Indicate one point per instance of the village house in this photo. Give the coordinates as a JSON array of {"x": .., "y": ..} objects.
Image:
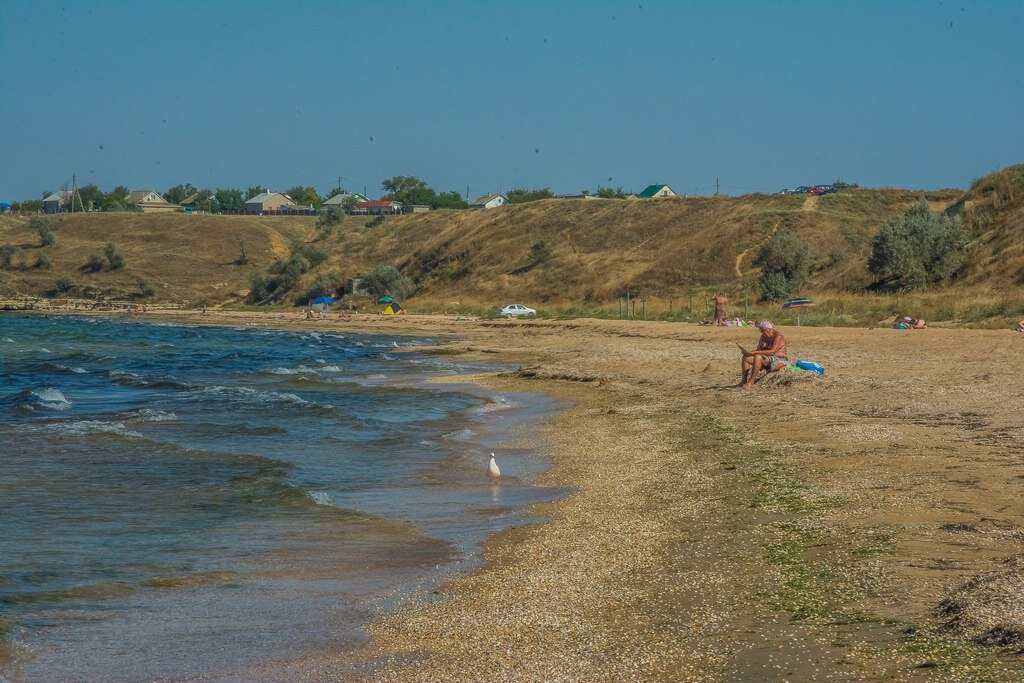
[
  {"x": 148, "y": 201},
  {"x": 489, "y": 201},
  {"x": 378, "y": 207},
  {"x": 340, "y": 199},
  {"x": 656, "y": 192},
  {"x": 268, "y": 201},
  {"x": 57, "y": 202}
]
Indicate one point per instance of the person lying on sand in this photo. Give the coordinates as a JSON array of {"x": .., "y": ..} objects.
[
  {"x": 1020, "y": 325},
  {"x": 770, "y": 355},
  {"x": 907, "y": 323}
]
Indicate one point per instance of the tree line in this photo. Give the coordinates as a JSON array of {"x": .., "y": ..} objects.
[{"x": 405, "y": 189}]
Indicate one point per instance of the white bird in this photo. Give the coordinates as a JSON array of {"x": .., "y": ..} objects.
[{"x": 492, "y": 467}]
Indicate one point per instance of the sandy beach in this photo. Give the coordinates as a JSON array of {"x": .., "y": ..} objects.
[{"x": 861, "y": 526}]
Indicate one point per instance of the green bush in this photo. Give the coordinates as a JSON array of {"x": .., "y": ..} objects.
[
  {"x": 94, "y": 264},
  {"x": 147, "y": 290},
  {"x": 41, "y": 226},
  {"x": 258, "y": 289},
  {"x": 63, "y": 285},
  {"x": 785, "y": 262},
  {"x": 7, "y": 254},
  {"x": 43, "y": 261},
  {"x": 387, "y": 281},
  {"x": 326, "y": 284},
  {"x": 115, "y": 259},
  {"x": 540, "y": 251},
  {"x": 917, "y": 248}
]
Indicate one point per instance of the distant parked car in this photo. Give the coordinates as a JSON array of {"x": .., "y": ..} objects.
[
  {"x": 516, "y": 310},
  {"x": 785, "y": 190},
  {"x": 801, "y": 190},
  {"x": 813, "y": 190},
  {"x": 826, "y": 189}
]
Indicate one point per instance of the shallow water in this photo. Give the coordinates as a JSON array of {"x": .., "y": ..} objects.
[{"x": 179, "y": 500}]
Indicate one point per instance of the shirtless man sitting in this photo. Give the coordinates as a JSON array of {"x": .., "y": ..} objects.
[{"x": 771, "y": 355}]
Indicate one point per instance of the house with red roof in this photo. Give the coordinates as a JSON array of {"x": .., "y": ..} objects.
[{"x": 378, "y": 207}]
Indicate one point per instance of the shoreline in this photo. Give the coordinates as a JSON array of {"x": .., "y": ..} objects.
[{"x": 812, "y": 529}]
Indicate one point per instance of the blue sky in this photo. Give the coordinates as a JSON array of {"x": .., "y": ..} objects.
[{"x": 494, "y": 96}]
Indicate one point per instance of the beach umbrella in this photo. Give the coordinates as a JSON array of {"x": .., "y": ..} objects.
[
  {"x": 323, "y": 300},
  {"x": 797, "y": 303},
  {"x": 385, "y": 300}
]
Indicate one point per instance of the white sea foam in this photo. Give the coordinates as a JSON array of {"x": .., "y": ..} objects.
[
  {"x": 150, "y": 415},
  {"x": 7, "y": 340},
  {"x": 50, "y": 398},
  {"x": 495, "y": 403},
  {"x": 83, "y": 427},
  {"x": 320, "y": 497},
  {"x": 461, "y": 435},
  {"x": 257, "y": 395},
  {"x": 301, "y": 370},
  {"x": 68, "y": 368},
  {"x": 43, "y": 349}
]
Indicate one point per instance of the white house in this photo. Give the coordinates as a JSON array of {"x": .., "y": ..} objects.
[
  {"x": 268, "y": 201},
  {"x": 57, "y": 202},
  {"x": 489, "y": 201},
  {"x": 656, "y": 192},
  {"x": 148, "y": 201},
  {"x": 340, "y": 198}
]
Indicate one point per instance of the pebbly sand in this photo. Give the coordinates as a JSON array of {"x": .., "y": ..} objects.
[{"x": 862, "y": 526}]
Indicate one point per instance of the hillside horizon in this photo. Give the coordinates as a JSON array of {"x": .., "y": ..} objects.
[{"x": 665, "y": 250}]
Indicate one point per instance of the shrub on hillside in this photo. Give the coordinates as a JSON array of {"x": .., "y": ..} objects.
[
  {"x": 8, "y": 252},
  {"x": 258, "y": 289},
  {"x": 42, "y": 261},
  {"x": 917, "y": 248},
  {"x": 63, "y": 285},
  {"x": 326, "y": 284},
  {"x": 329, "y": 218},
  {"x": 387, "y": 281},
  {"x": 145, "y": 289},
  {"x": 41, "y": 226},
  {"x": 785, "y": 262},
  {"x": 115, "y": 259},
  {"x": 242, "y": 259},
  {"x": 540, "y": 251},
  {"x": 94, "y": 264}
]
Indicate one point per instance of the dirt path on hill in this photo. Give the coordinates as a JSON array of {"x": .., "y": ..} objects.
[
  {"x": 742, "y": 254},
  {"x": 810, "y": 203}
]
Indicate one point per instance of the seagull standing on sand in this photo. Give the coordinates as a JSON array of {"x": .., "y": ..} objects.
[{"x": 492, "y": 467}]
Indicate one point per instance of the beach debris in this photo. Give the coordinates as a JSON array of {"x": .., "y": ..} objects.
[{"x": 493, "y": 469}]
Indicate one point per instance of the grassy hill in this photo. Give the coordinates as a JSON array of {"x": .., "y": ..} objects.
[{"x": 669, "y": 251}]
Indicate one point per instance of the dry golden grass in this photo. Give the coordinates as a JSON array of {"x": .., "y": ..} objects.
[{"x": 669, "y": 253}]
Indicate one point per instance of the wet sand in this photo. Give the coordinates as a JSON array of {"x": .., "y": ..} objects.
[{"x": 851, "y": 527}]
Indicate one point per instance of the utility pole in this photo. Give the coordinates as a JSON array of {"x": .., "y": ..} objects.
[
  {"x": 716, "y": 187},
  {"x": 467, "y": 193},
  {"x": 75, "y": 195}
]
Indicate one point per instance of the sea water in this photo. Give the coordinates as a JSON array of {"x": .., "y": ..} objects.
[{"x": 180, "y": 501}]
